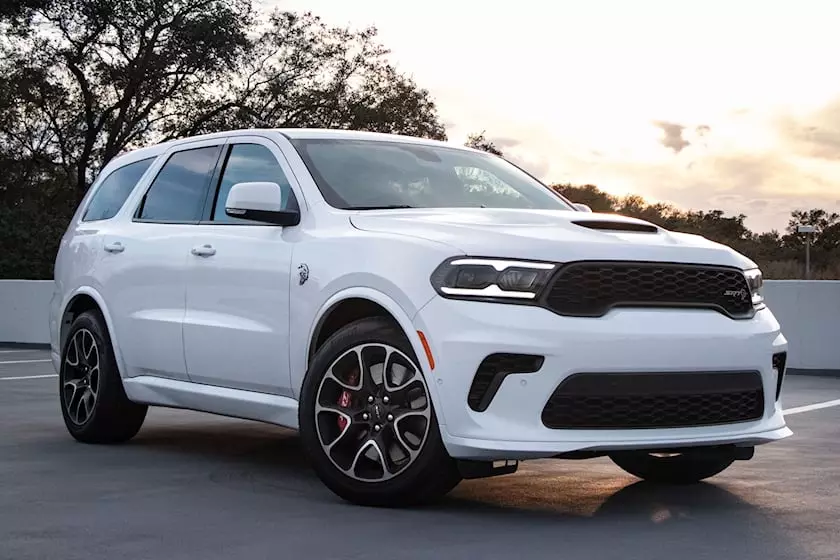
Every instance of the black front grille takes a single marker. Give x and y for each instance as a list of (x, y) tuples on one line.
[(654, 400), (591, 289)]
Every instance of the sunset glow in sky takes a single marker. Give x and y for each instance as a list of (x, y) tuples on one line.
[(706, 104)]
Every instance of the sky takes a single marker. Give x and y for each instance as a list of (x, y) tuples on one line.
[(706, 104)]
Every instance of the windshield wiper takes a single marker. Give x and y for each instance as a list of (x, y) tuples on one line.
[(382, 207)]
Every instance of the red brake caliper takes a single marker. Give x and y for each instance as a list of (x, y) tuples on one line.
[(346, 398)]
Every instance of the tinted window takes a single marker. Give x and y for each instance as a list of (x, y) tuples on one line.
[(248, 163), (178, 192), (114, 190), (358, 174)]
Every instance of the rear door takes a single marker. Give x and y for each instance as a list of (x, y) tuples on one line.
[(236, 328), (143, 270)]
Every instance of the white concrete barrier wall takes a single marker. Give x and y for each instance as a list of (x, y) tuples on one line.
[(809, 312), (24, 311)]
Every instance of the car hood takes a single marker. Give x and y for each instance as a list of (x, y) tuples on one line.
[(551, 235)]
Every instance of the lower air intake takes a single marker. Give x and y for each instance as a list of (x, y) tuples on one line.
[(492, 371), (779, 362), (654, 400)]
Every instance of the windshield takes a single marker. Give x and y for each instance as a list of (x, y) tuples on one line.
[(364, 174)]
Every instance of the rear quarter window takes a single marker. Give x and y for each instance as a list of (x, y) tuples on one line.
[(114, 190)]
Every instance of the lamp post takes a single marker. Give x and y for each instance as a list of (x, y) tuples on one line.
[(807, 230)]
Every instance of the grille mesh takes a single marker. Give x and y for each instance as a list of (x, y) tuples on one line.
[(654, 400), (591, 289)]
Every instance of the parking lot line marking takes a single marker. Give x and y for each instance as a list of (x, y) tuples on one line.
[(25, 362), (19, 378), (810, 407)]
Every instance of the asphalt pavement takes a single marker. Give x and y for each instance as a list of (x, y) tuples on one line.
[(195, 486)]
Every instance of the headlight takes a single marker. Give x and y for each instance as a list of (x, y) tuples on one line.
[(491, 279), (755, 281)]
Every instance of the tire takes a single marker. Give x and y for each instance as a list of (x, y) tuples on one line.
[(93, 401), (429, 475), (684, 468)]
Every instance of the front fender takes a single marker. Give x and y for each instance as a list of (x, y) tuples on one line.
[(300, 359)]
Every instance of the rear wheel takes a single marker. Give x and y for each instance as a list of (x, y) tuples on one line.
[(93, 402), (367, 420), (673, 468)]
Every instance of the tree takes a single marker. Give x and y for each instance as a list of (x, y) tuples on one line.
[(826, 225), (84, 80), (592, 196), (480, 142), (303, 73), (88, 78)]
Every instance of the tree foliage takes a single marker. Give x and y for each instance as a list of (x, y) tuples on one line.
[(84, 80), (779, 254), (480, 142), (302, 73)]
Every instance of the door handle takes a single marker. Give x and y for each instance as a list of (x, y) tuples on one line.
[(203, 251), (115, 247)]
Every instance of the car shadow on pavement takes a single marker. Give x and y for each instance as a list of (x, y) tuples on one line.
[(585, 506)]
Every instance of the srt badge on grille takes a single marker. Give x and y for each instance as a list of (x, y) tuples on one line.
[(740, 294)]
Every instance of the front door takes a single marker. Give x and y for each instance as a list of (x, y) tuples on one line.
[(236, 327)]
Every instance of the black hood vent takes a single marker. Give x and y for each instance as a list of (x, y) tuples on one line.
[(606, 225)]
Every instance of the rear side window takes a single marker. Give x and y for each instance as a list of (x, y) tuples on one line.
[(114, 190), (177, 194)]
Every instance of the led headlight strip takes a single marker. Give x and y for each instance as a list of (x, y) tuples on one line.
[(755, 281), (491, 279)]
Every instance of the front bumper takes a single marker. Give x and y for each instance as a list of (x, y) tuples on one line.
[(461, 334)]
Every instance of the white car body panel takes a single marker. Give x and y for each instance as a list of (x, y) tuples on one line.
[(546, 235), (626, 340), (145, 289), (230, 333), (236, 324)]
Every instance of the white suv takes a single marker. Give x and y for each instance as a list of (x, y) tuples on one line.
[(420, 312)]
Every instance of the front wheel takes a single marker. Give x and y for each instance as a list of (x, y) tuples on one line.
[(673, 468), (367, 420)]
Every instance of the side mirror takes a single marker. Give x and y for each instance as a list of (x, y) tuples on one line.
[(582, 207), (261, 202)]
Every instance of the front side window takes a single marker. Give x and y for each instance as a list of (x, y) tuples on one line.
[(178, 192), (360, 174), (114, 190), (248, 163)]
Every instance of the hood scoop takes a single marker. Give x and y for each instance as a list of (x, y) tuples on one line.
[(608, 225)]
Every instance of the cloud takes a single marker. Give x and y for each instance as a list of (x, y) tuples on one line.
[(816, 134), (763, 162), (503, 142), (673, 138), (532, 163)]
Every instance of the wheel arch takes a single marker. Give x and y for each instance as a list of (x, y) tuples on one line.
[(84, 299), (338, 309)]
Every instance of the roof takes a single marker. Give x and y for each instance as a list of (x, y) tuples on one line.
[(292, 133)]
